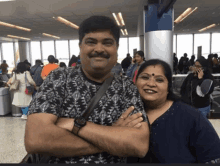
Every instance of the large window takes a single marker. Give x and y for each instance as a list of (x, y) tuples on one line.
[(74, 48), (216, 43), (184, 45), (62, 51), (35, 51), (8, 54), (174, 43), (134, 43), (47, 49), (123, 49), (204, 41)]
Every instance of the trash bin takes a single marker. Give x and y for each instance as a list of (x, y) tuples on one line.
[(16, 111), (5, 101)]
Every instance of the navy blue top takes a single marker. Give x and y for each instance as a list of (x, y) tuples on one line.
[(181, 135)]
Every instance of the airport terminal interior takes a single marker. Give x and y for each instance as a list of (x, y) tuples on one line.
[(32, 30)]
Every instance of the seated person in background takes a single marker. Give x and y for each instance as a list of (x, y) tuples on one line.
[(191, 88), (49, 67), (73, 61), (4, 67), (110, 134), (178, 132), (62, 64)]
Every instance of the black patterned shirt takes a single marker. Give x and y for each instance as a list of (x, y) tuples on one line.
[(66, 93)]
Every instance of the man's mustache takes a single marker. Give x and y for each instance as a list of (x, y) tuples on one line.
[(102, 55)]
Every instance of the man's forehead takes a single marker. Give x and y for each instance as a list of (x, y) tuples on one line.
[(99, 34)]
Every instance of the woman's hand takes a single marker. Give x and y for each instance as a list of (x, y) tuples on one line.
[(129, 121), (200, 73), (65, 123)]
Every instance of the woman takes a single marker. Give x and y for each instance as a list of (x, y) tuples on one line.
[(73, 61), (134, 67), (179, 133), (21, 99), (194, 82)]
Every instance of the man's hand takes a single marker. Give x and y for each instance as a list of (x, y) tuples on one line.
[(129, 121), (65, 123)]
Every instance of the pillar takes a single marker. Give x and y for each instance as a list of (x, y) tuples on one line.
[(24, 51), (140, 30), (158, 36)]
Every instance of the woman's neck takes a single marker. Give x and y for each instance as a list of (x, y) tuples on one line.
[(154, 106)]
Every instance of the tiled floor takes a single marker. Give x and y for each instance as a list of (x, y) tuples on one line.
[(12, 148)]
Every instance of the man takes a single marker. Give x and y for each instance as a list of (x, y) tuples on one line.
[(175, 63), (133, 68), (183, 64), (36, 73), (4, 67), (126, 62), (110, 134), (49, 67)]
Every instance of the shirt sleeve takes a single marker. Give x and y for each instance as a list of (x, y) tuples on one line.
[(133, 98), (30, 80), (50, 96), (42, 73), (204, 141)]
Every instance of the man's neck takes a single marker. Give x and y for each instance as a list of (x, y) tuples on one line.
[(97, 77)]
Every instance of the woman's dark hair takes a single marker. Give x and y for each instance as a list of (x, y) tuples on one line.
[(95, 23), (21, 68), (141, 53), (74, 59), (62, 64), (167, 72)]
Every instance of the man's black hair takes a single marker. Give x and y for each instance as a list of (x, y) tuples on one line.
[(96, 23)]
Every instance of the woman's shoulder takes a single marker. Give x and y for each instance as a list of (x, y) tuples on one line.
[(185, 109)]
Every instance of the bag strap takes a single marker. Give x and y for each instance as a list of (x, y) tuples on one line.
[(97, 97)]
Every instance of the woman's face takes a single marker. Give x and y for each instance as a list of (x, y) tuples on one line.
[(138, 59), (152, 84)]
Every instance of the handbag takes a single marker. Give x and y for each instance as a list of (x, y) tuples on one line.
[(15, 84), (29, 88), (37, 158)]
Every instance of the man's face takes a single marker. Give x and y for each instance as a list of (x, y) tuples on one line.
[(98, 52)]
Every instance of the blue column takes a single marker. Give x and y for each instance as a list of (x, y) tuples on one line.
[(158, 34)]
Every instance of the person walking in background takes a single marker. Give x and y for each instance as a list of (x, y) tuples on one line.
[(21, 99), (4, 67), (73, 61), (62, 64), (28, 65), (126, 62), (183, 64), (36, 73), (133, 68), (198, 86), (175, 63), (49, 67)]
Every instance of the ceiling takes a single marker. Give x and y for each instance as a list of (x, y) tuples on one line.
[(38, 16)]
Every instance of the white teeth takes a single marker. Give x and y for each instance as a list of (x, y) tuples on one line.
[(150, 91)]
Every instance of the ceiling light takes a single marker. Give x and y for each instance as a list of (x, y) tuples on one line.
[(6, 0), (189, 13), (116, 19), (45, 34), (14, 26), (122, 32), (62, 20), (183, 15), (121, 19), (18, 37), (126, 32), (208, 27)]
